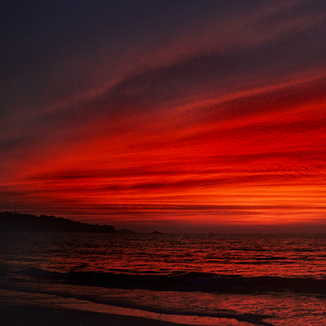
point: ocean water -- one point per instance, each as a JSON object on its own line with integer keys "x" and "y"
{"x": 192, "y": 279}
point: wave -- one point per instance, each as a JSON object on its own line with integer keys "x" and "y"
{"x": 204, "y": 282}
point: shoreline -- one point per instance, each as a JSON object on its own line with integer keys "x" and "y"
{"x": 21, "y": 309}
{"x": 37, "y": 315}
{"x": 26, "y": 315}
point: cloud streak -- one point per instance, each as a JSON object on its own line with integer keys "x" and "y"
{"x": 165, "y": 103}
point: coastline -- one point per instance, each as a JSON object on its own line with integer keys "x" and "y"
{"x": 26, "y": 309}
{"x": 25, "y": 315}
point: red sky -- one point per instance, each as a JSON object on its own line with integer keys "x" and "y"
{"x": 179, "y": 116}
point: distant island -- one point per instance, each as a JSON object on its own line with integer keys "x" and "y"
{"x": 157, "y": 232}
{"x": 14, "y": 222}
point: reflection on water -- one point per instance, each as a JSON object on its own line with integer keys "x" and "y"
{"x": 275, "y": 280}
{"x": 284, "y": 256}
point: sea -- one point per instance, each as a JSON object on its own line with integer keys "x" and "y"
{"x": 188, "y": 279}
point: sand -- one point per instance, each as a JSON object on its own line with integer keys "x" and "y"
{"x": 18, "y": 315}
{"x": 21, "y": 309}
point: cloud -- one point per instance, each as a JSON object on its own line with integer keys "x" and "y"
{"x": 165, "y": 100}
{"x": 97, "y": 46}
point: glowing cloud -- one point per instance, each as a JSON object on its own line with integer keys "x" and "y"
{"x": 183, "y": 115}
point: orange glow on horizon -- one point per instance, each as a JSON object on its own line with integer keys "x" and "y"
{"x": 205, "y": 115}
{"x": 267, "y": 167}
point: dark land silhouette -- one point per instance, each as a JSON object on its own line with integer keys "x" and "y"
{"x": 13, "y": 222}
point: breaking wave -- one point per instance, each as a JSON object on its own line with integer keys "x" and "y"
{"x": 204, "y": 282}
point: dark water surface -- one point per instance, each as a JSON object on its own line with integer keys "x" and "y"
{"x": 198, "y": 279}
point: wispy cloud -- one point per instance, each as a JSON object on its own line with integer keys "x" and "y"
{"x": 165, "y": 103}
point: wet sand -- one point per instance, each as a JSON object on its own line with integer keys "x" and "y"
{"x": 18, "y": 315}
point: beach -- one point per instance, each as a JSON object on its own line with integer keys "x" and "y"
{"x": 17, "y": 315}
{"x": 22, "y": 309}
{"x": 146, "y": 279}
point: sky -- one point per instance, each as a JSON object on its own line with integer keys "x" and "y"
{"x": 177, "y": 116}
